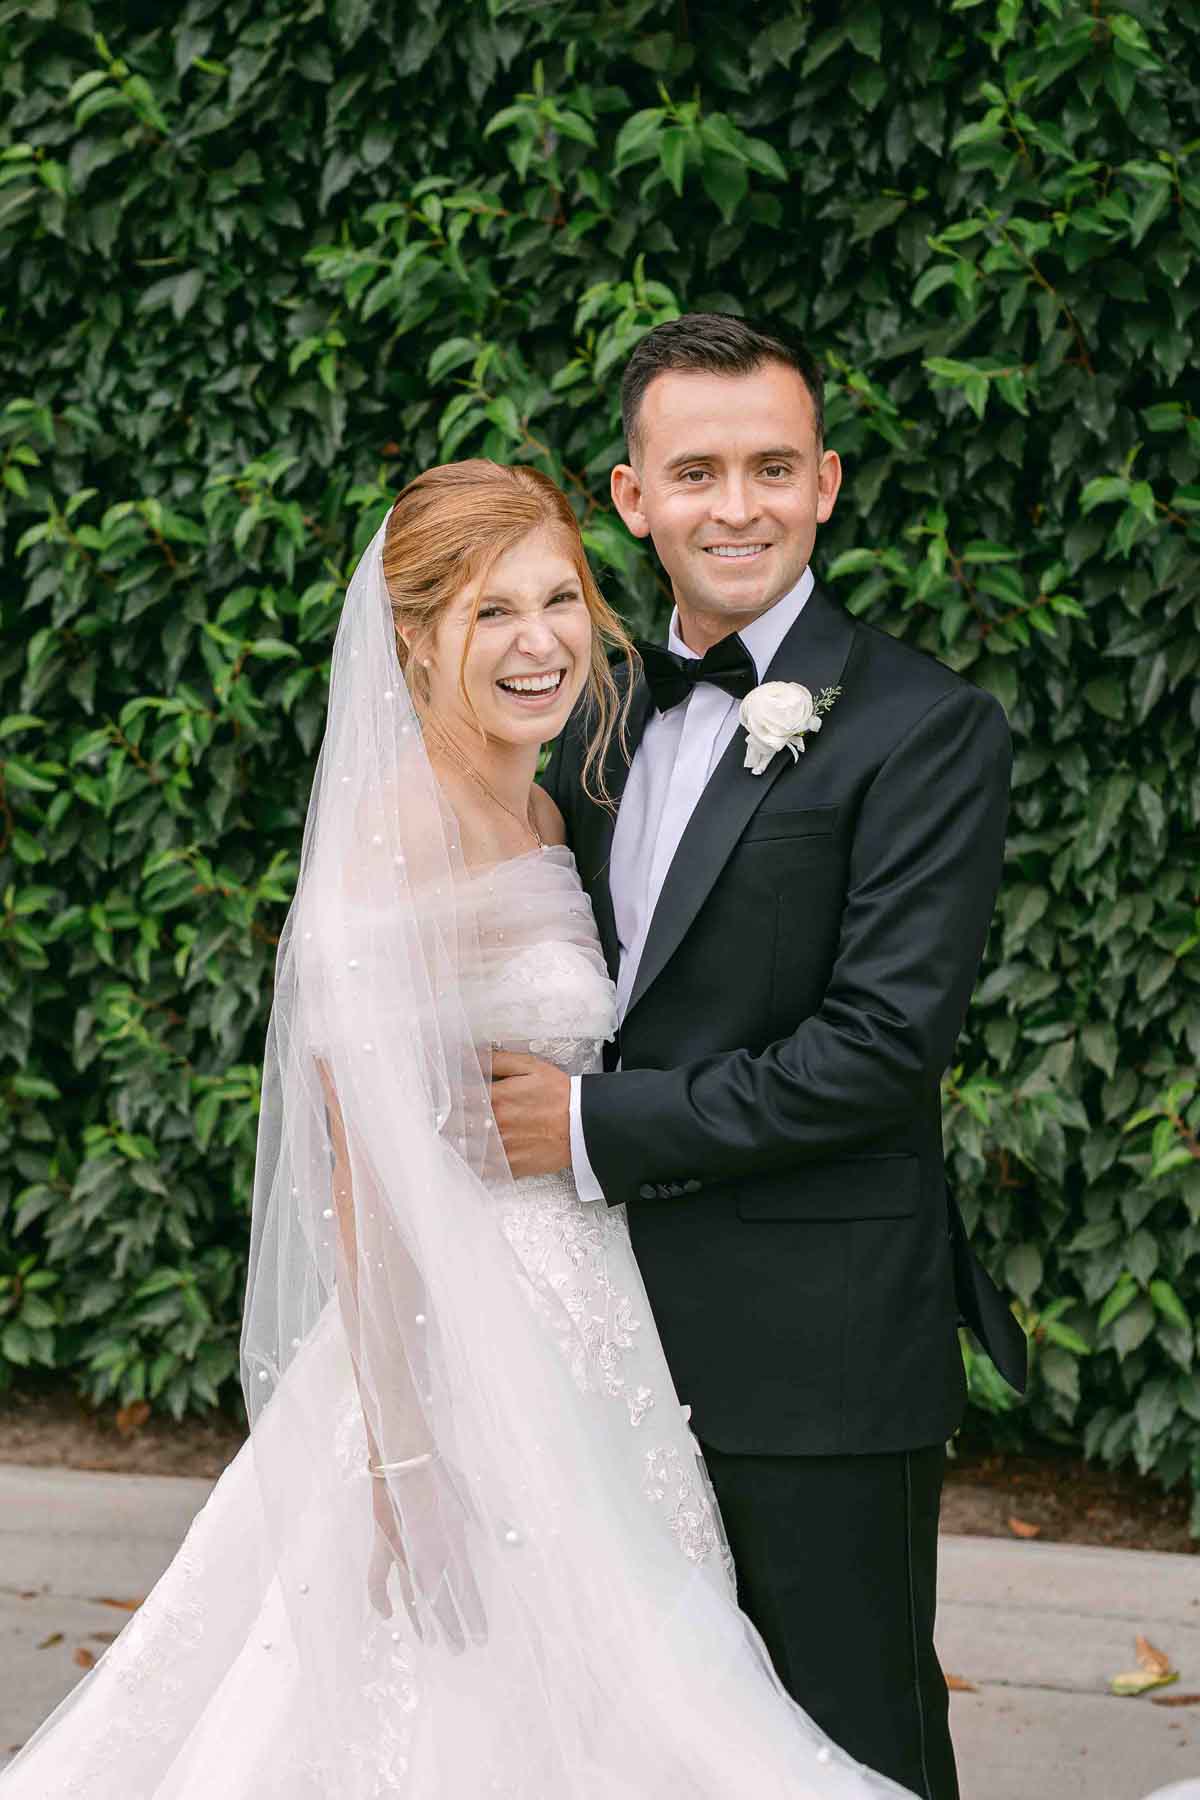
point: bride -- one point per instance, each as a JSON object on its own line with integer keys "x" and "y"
{"x": 469, "y": 1548}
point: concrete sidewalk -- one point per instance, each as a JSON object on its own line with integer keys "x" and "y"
{"x": 1038, "y": 1628}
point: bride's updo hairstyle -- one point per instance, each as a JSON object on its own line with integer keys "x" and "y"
{"x": 446, "y": 529}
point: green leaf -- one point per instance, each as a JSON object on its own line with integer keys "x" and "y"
{"x": 572, "y": 125}
{"x": 102, "y": 100}
{"x": 185, "y": 292}
{"x": 851, "y": 562}
{"x": 54, "y": 176}
{"x": 939, "y": 275}
{"x": 1152, "y": 203}
{"x": 15, "y": 722}
{"x": 868, "y": 87}
{"x": 1133, "y": 1327}
{"x": 995, "y": 674}
{"x": 876, "y": 216}
{"x": 822, "y": 48}
{"x": 34, "y": 1087}
{"x": 503, "y": 412}
{"x": 764, "y": 159}
{"x": 1106, "y": 696}
{"x": 725, "y": 182}
{"x": 451, "y": 355}
{"x": 1023, "y": 1271}
{"x": 1102, "y": 490}
{"x": 1067, "y": 1339}
{"x": 983, "y": 550}
{"x": 1121, "y": 1296}
{"x": 1170, "y": 1305}
{"x": 864, "y": 28}
{"x": 638, "y": 137}
{"x": 672, "y": 150}
{"x": 1099, "y": 1042}
{"x": 92, "y": 78}
{"x": 272, "y": 649}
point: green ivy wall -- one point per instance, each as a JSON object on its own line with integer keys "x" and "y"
{"x": 263, "y": 261}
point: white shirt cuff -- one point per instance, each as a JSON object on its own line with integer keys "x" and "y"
{"x": 586, "y": 1185}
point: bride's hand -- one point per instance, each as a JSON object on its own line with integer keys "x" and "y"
{"x": 421, "y": 1533}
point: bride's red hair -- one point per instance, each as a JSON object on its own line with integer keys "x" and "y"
{"x": 446, "y": 529}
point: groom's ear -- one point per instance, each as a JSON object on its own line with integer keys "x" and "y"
{"x": 625, "y": 486}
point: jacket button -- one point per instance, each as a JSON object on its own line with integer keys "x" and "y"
{"x": 692, "y": 1186}
{"x": 648, "y": 1191}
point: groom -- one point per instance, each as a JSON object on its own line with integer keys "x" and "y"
{"x": 794, "y": 949}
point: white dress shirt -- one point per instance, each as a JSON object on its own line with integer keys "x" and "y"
{"x": 678, "y": 752}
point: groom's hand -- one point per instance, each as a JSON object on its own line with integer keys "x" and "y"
{"x": 531, "y": 1102}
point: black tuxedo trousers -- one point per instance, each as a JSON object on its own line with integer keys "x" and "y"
{"x": 774, "y": 1127}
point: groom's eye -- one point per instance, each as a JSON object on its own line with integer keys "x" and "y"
{"x": 700, "y": 474}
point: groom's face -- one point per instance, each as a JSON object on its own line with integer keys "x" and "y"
{"x": 731, "y": 483}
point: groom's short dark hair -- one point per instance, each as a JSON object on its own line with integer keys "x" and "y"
{"x": 716, "y": 344}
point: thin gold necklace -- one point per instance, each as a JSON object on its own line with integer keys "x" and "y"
{"x": 468, "y": 767}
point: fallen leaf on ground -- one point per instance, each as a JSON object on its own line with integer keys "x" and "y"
{"x": 1022, "y": 1528}
{"x": 84, "y": 1657}
{"x": 958, "y": 1685}
{"x": 123, "y": 1605}
{"x": 1156, "y": 1661}
{"x": 1176, "y": 1700}
{"x": 1140, "y": 1681}
{"x": 1153, "y": 1670}
{"x": 55, "y": 1637}
{"x": 131, "y": 1418}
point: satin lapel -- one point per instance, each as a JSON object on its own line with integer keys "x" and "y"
{"x": 601, "y": 824}
{"x": 814, "y": 652}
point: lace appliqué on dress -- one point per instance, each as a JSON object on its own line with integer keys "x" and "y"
{"x": 671, "y": 1484}
{"x": 564, "y": 1247}
{"x": 392, "y": 1698}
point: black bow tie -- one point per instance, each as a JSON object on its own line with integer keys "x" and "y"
{"x": 728, "y": 665}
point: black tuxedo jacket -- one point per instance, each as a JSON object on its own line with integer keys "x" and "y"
{"x": 775, "y": 1126}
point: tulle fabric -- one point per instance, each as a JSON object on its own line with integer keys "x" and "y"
{"x": 557, "y": 1622}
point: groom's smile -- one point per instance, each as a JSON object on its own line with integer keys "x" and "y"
{"x": 730, "y": 481}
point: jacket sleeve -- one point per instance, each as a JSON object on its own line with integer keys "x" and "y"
{"x": 924, "y": 870}
{"x": 555, "y": 778}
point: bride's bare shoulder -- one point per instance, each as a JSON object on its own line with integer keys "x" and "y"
{"x": 547, "y": 817}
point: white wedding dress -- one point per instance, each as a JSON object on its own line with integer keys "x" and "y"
{"x": 207, "y": 1693}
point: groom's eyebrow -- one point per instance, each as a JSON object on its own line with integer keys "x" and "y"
{"x": 779, "y": 454}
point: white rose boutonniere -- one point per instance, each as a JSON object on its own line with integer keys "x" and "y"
{"x": 776, "y": 717}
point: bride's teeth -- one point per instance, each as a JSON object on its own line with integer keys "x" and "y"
{"x": 531, "y": 684}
